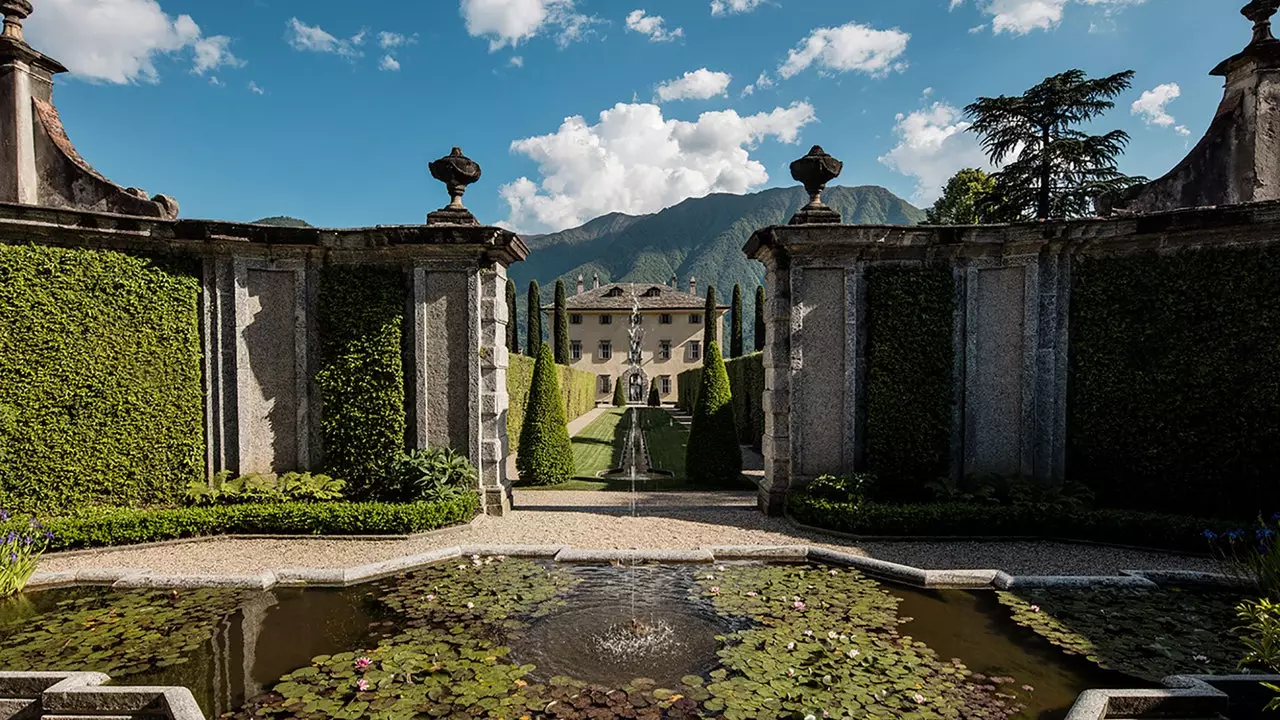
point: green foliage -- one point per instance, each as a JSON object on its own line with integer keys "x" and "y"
{"x": 963, "y": 200}
{"x": 101, "y": 399}
{"x": 108, "y": 526}
{"x": 1010, "y": 492}
{"x": 513, "y": 328}
{"x": 710, "y": 323}
{"x": 713, "y": 456}
{"x": 849, "y": 490}
{"x": 1051, "y": 169}
{"x": 1174, "y": 393}
{"x": 910, "y": 382}
{"x": 1252, "y": 557}
{"x": 579, "y": 390}
{"x": 1149, "y": 634}
{"x": 735, "y": 334}
{"x": 533, "y": 328}
{"x": 20, "y": 552}
{"x": 1260, "y": 629}
{"x": 257, "y": 488}
{"x": 746, "y": 383}
{"x": 759, "y": 324}
{"x": 432, "y": 474}
{"x": 561, "y": 326}
{"x": 619, "y": 394}
{"x": 361, "y": 378}
{"x": 283, "y": 221}
{"x": 655, "y": 398}
{"x": 545, "y": 456}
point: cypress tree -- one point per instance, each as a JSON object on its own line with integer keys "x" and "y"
{"x": 513, "y": 330}
{"x": 735, "y": 335}
{"x": 709, "y": 322}
{"x": 534, "y": 328}
{"x": 760, "y": 331}
{"x": 655, "y": 398}
{"x": 713, "y": 457}
{"x": 545, "y": 456}
{"x": 561, "y": 326}
{"x": 619, "y": 397}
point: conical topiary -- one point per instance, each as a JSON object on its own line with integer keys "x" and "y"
{"x": 533, "y": 309}
{"x": 655, "y": 399}
{"x": 735, "y": 334}
{"x": 759, "y": 328}
{"x": 513, "y": 330}
{"x": 545, "y": 456}
{"x": 713, "y": 457}
{"x": 619, "y": 396}
{"x": 560, "y": 328}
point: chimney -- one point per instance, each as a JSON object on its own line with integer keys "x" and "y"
{"x": 579, "y": 284}
{"x": 595, "y": 280}
{"x": 693, "y": 285}
{"x": 674, "y": 286}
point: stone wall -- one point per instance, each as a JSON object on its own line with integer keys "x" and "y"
{"x": 1012, "y": 331}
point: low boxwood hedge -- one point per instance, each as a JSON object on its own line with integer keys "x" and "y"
{"x": 101, "y": 527}
{"x": 1120, "y": 527}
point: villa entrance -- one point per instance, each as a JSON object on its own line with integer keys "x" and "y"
{"x": 635, "y": 386}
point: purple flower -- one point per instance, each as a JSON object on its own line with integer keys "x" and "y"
{"x": 48, "y": 535}
{"x": 363, "y": 686}
{"x": 13, "y": 557}
{"x": 1210, "y": 535}
{"x": 4, "y": 514}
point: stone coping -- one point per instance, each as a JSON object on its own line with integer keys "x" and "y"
{"x": 881, "y": 569}
{"x": 1183, "y": 697}
{"x": 31, "y": 695}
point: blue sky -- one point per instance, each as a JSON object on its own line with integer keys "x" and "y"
{"x": 241, "y": 109}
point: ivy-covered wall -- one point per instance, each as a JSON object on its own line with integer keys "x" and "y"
{"x": 1174, "y": 386}
{"x": 746, "y": 382}
{"x": 101, "y": 400}
{"x": 361, "y": 378}
{"x": 910, "y": 382}
{"x": 579, "y": 390}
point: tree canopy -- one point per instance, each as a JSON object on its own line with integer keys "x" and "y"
{"x": 965, "y": 200}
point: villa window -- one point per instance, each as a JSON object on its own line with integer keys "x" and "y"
{"x": 575, "y": 350}
{"x": 666, "y": 384}
{"x": 606, "y": 350}
{"x": 575, "y": 319}
{"x": 606, "y": 384}
{"x": 664, "y": 319}
{"x": 606, "y": 319}
{"x": 664, "y": 349}
{"x": 695, "y": 319}
{"x": 695, "y": 350}
{"x": 614, "y": 292}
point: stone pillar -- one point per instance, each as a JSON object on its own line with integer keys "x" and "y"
{"x": 494, "y": 445}
{"x": 776, "y": 444}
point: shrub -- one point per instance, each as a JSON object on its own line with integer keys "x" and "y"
{"x": 848, "y": 489}
{"x": 432, "y": 474}
{"x": 533, "y": 311}
{"x": 709, "y": 322}
{"x": 735, "y": 334}
{"x": 713, "y": 456}
{"x": 513, "y": 329}
{"x": 1251, "y": 555}
{"x": 577, "y": 386}
{"x": 760, "y": 327}
{"x": 1009, "y": 491}
{"x": 546, "y": 453}
{"x": 655, "y": 398}
{"x": 1260, "y": 621}
{"x": 746, "y": 384}
{"x": 561, "y": 318}
{"x": 619, "y": 394}
{"x": 255, "y": 487}
{"x": 20, "y": 552}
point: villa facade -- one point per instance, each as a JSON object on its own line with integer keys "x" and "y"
{"x": 671, "y": 331}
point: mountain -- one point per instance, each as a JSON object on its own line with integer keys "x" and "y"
{"x": 702, "y": 237}
{"x": 283, "y": 221}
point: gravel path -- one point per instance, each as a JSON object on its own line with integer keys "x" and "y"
{"x": 667, "y": 520}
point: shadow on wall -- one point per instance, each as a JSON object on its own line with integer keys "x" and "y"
{"x": 268, "y": 394}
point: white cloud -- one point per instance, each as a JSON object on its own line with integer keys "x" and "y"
{"x": 932, "y": 145}
{"x": 388, "y": 40}
{"x": 1182, "y": 130}
{"x": 389, "y": 63}
{"x": 1153, "y": 105}
{"x": 313, "y": 38}
{"x": 700, "y": 84}
{"x": 1020, "y": 17}
{"x": 214, "y": 81}
{"x": 510, "y": 22}
{"x": 119, "y": 41}
{"x": 516, "y": 61}
{"x": 253, "y": 88}
{"x": 652, "y": 25}
{"x": 730, "y": 7}
{"x": 634, "y": 160}
{"x": 764, "y": 82}
{"x": 848, "y": 47}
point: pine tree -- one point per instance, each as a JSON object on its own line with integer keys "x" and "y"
{"x": 513, "y": 330}
{"x": 760, "y": 330}
{"x": 545, "y": 456}
{"x": 713, "y": 457}
{"x": 619, "y": 395}
{"x": 709, "y": 321}
{"x": 561, "y": 326}
{"x": 735, "y": 335}
{"x": 655, "y": 398}
{"x": 534, "y": 329}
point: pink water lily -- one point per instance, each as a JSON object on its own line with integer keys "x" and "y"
{"x": 363, "y": 663}
{"x": 751, "y": 593}
{"x": 791, "y": 646}
{"x": 715, "y": 591}
{"x": 431, "y": 597}
{"x": 1028, "y": 688}
{"x": 363, "y": 686}
{"x": 798, "y": 605}
{"x": 471, "y": 606}
{"x": 1035, "y": 608}
{"x": 918, "y": 698}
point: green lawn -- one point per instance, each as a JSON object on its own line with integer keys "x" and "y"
{"x": 597, "y": 448}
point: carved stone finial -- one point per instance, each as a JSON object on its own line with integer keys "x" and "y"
{"x": 14, "y": 11}
{"x": 456, "y": 171}
{"x": 1260, "y": 12}
{"x": 814, "y": 171}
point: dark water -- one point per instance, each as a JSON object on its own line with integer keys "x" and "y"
{"x": 277, "y": 631}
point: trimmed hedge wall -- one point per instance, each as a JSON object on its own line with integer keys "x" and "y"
{"x": 910, "y": 382}
{"x": 1174, "y": 393}
{"x": 746, "y": 381}
{"x": 101, "y": 527}
{"x": 578, "y": 387}
{"x": 361, "y": 312}
{"x": 101, "y": 398}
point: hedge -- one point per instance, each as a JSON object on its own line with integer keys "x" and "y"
{"x": 712, "y": 457}
{"x": 1174, "y": 392}
{"x": 578, "y": 387}
{"x": 106, "y": 526}
{"x": 910, "y": 377}
{"x": 746, "y": 381}
{"x": 101, "y": 398}
{"x": 361, "y": 313}
{"x": 1168, "y": 532}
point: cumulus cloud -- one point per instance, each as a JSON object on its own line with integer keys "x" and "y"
{"x": 510, "y": 22}
{"x": 700, "y": 84}
{"x": 313, "y": 38}
{"x": 516, "y": 61}
{"x": 253, "y": 88}
{"x": 118, "y": 41}
{"x": 388, "y": 40}
{"x": 652, "y": 25}
{"x": 932, "y": 146}
{"x": 1153, "y": 105}
{"x": 634, "y": 160}
{"x": 764, "y": 82}
{"x": 848, "y": 48}
{"x": 1020, "y": 17}
{"x": 389, "y": 63}
{"x": 732, "y": 7}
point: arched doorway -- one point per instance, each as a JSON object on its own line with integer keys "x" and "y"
{"x": 637, "y": 385}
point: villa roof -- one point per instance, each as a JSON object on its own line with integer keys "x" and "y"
{"x": 621, "y": 296}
